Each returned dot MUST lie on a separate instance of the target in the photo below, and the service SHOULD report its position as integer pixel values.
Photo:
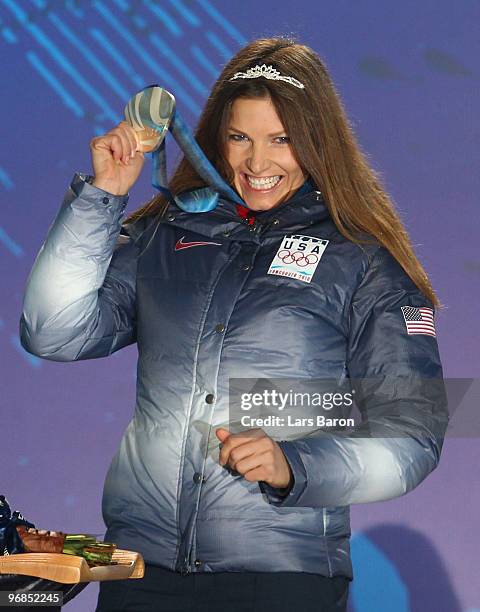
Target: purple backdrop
(408, 74)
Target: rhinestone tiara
(269, 72)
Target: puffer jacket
(207, 298)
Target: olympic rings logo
(297, 257)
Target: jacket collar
(304, 208)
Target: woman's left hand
(255, 456)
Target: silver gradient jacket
(203, 314)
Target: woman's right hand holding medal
(116, 161)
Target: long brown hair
(322, 141)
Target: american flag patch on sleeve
(419, 320)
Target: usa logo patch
(298, 257)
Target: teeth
(263, 183)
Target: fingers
(120, 141)
(256, 467)
(256, 456)
(237, 454)
(222, 433)
(239, 446)
(132, 139)
(269, 466)
(257, 474)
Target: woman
(316, 279)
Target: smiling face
(258, 149)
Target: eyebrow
(245, 134)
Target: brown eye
(236, 137)
(283, 139)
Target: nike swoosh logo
(188, 245)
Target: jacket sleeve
(79, 301)
(400, 393)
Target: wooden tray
(70, 569)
